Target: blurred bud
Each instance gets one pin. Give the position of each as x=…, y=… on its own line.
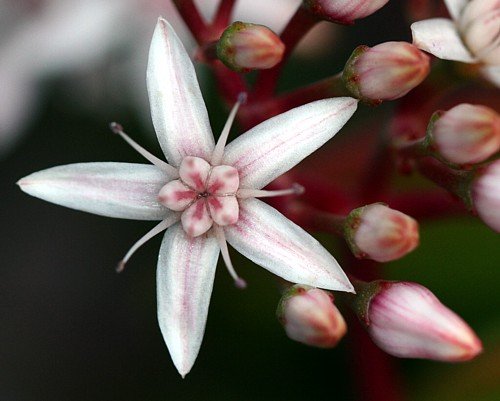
x=466, y=134
x=380, y=233
x=310, y=317
x=244, y=47
x=407, y=320
x=385, y=72
x=343, y=11
x=478, y=24
x=486, y=195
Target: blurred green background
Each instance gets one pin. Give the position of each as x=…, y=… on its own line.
x=72, y=329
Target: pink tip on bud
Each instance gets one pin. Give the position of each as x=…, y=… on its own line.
x=387, y=71
x=408, y=321
x=466, y=134
x=380, y=233
x=309, y=316
x=244, y=47
x=343, y=11
x=486, y=195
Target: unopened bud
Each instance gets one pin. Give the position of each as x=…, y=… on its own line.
x=486, y=194
x=310, y=317
x=408, y=321
x=343, y=11
x=380, y=233
x=385, y=72
x=466, y=134
x=244, y=47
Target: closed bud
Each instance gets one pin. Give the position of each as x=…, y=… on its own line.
x=466, y=134
x=244, y=47
x=408, y=321
x=343, y=11
x=486, y=194
x=385, y=72
x=309, y=316
x=380, y=233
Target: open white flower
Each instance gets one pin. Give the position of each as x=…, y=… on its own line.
x=472, y=36
x=206, y=195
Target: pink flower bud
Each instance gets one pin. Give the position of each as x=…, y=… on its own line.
x=467, y=134
x=244, y=47
x=385, y=72
x=343, y=11
x=380, y=233
x=310, y=317
x=408, y=321
x=486, y=195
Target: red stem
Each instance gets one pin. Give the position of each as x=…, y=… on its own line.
x=297, y=27
x=223, y=15
x=189, y=13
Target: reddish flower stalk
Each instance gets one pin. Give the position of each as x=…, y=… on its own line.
x=223, y=15
x=190, y=14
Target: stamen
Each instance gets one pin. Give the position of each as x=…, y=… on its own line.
x=221, y=238
x=244, y=193
x=163, y=225
x=118, y=129
x=221, y=143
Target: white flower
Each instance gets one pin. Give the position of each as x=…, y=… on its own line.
x=472, y=36
x=199, y=197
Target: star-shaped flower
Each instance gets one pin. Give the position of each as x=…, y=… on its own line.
x=206, y=195
x=472, y=36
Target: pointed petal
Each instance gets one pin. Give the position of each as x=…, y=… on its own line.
x=194, y=172
x=492, y=73
x=185, y=275
x=276, y=145
x=179, y=114
x=455, y=7
x=224, y=209
x=440, y=37
x=176, y=196
x=122, y=190
x=196, y=220
x=223, y=180
x=272, y=241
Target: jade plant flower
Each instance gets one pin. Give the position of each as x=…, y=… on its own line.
x=205, y=195
x=471, y=36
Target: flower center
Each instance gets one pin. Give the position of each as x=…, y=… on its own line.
x=204, y=193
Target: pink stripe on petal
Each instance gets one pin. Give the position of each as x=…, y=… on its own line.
x=176, y=196
x=272, y=241
x=223, y=180
x=196, y=220
x=223, y=209
x=185, y=275
x=194, y=173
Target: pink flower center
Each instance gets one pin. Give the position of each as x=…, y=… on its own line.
x=204, y=193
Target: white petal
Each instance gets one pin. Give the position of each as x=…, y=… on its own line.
x=440, y=37
x=455, y=7
x=492, y=74
x=276, y=145
x=177, y=107
x=123, y=190
x=272, y=241
x=185, y=275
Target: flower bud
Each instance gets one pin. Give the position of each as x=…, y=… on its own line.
x=244, y=47
x=343, y=11
x=466, y=134
x=310, y=317
x=380, y=233
x=385, y=72
x=407, y=320
x=486, y=195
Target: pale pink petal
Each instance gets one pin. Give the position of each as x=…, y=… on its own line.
x=122, y=190
x=176, y=196
x=223, y=180
x=194, y=173
x=185, y=275
x=492, y=74
x=455, y=7
x=223, y=209
x=440, y=37
x=179, y=114
x=272, y=241
x=196, y=220
x=276, y=145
